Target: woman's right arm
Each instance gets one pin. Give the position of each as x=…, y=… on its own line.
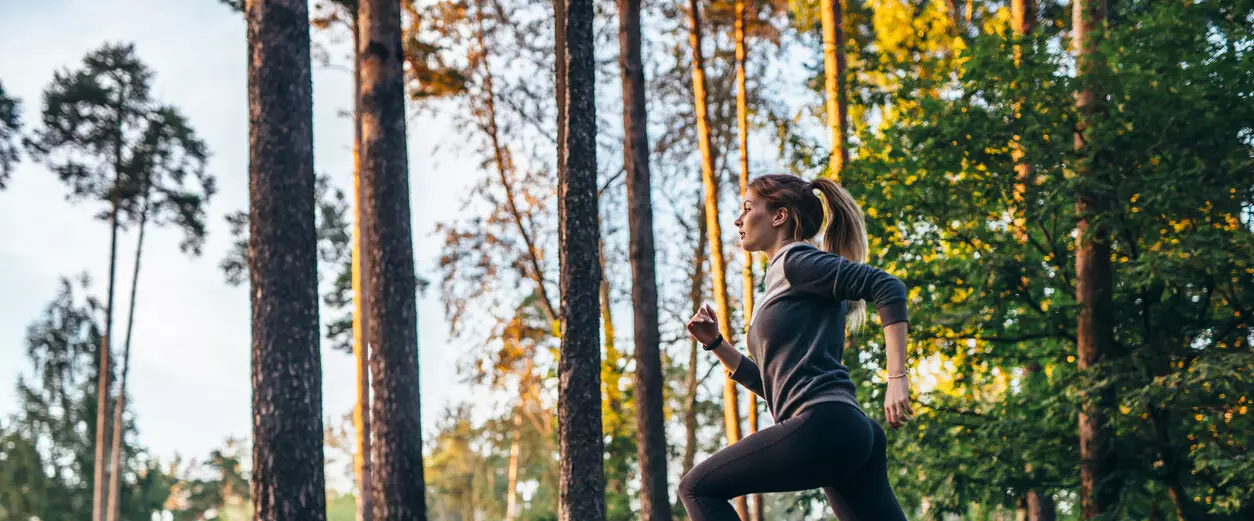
x=704, y=328
x=742, y=369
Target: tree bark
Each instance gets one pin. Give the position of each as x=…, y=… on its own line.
x=1094, y=286
x=582, y=490
x=287, y=473
x=397, y=465
x=835, y=71
x=559, y=87
x=100, y=478
x=731, y=406
x=694, y=295
x=650, y=424
x=361, y=321
x=119, y=404
x=742, y=130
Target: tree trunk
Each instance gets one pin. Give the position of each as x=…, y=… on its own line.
x=718, y=268
x=119, y=404
x=582, y=490
x=742, y=130
x=559, y=87
x=515, y=454
x=1039, y=504
x=694, y=295
x=650, y=424
x=361, y=321
x=100, y=471
x=1023, y=20
x=834, y=69
x=1023, y=16
x=287, y=473
x=397, y=467
x=1094, y=287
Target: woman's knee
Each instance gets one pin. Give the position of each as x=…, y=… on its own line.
x=694, y=484
x=688, y=484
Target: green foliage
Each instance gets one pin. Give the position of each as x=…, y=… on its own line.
x=988, y=252
x=90, y=120
x=10, y=125
x=110, y=142
x=48, y=444
x=218, y=485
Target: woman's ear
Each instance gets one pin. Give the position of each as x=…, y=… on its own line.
x=780, y=217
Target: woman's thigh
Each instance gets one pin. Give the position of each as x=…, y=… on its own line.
x=815, y=449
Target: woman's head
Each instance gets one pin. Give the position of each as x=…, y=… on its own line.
x=782, y=208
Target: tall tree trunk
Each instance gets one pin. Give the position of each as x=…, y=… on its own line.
x=515, y=454
x=1094, y=285
x=742, y=130
x=731, y=406
x=1023, y=20
x=361, y=320
x=650, y=425
x=691, y=382
x=287, y=473
x=834, y=69
x=559, y=87
x=100, y=471
x=119, y=404
x=397, y=467
x=582, y=490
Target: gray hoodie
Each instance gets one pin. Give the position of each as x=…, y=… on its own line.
x=797, y=335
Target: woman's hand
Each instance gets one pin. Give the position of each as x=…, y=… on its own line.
x=704, y=325
x=897, y=402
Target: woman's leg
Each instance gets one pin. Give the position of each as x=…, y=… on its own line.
x=797, y=454
x=866, y=495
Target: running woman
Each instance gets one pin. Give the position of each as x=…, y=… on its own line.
x=821, y=438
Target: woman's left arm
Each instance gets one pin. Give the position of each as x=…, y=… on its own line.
x=897, y=408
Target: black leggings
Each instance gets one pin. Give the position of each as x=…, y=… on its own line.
x=832, y=446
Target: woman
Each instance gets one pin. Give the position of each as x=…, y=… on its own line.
x=821, y=438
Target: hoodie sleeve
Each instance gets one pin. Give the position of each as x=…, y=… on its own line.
x=749, y=375
x=819, y=273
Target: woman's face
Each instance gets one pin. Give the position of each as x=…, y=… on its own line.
x=759, y=225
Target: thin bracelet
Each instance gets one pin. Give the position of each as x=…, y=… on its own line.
x=891, y=376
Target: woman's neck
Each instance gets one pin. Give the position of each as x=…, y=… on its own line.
x=774, y=249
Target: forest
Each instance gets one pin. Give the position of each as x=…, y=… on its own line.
x=1066, y=188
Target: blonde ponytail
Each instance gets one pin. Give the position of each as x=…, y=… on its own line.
x=845, y=235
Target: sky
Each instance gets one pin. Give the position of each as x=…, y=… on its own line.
x=190, y=375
